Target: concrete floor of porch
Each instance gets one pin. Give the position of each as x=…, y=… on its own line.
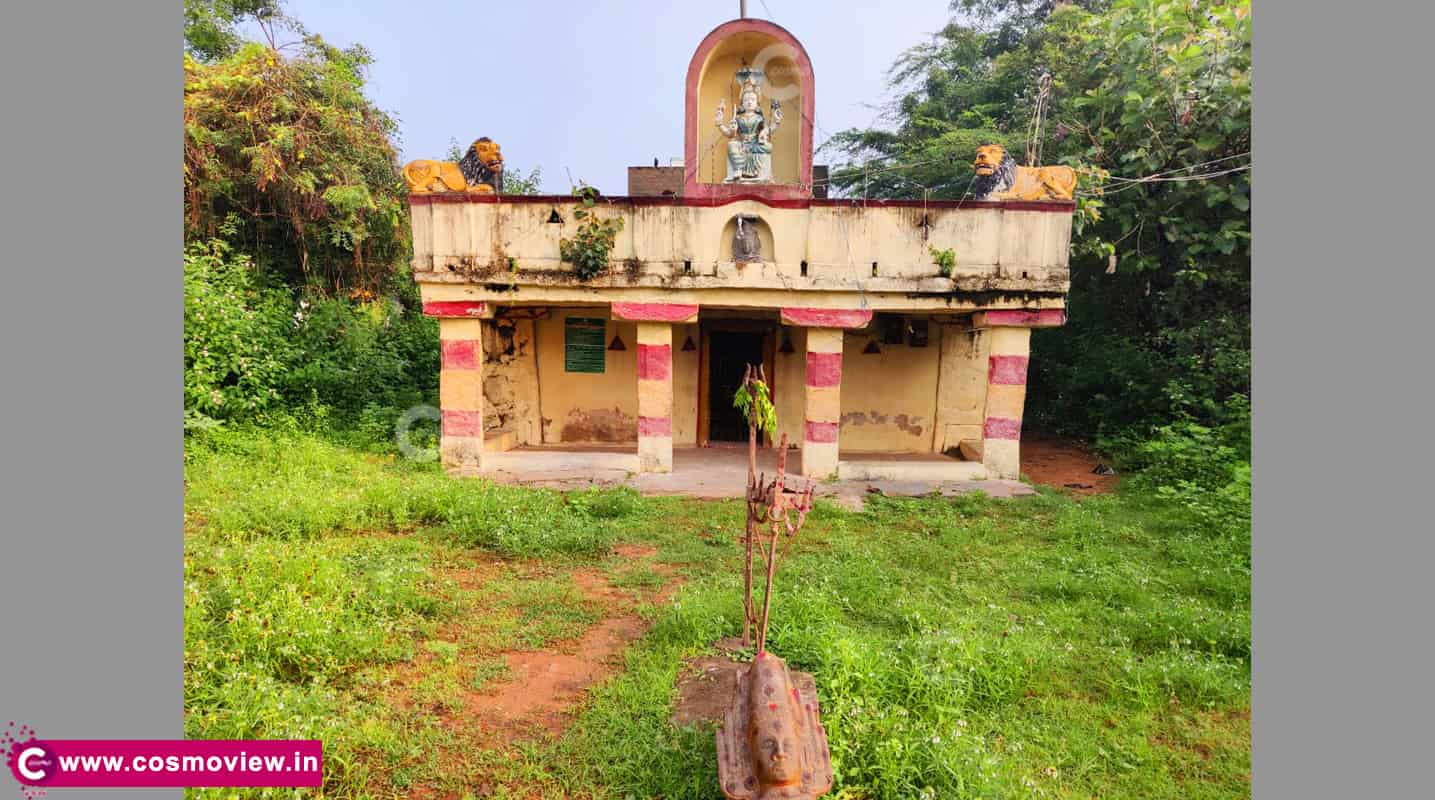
x=720, y=471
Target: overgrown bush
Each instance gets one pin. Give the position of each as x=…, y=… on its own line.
x=1203, y=473
x=288, y=140
x=235, y=350
x=352, y=354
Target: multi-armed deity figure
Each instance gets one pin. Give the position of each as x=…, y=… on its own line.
x=749, y=154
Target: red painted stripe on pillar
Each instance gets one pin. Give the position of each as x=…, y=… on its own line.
x=820, y=432
x=824, y=369
x=655, y=312
x=1002, y=428
x=459, y=353
x=1007, y=370
x=462, y=423
x=1045, y=318
x=655, y=426
x=826, y=317
x=455, y=308
x=655, y=362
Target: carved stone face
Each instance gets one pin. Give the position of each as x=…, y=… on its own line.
x=989, y=159
x=771, y=744
x=748, y=101
x=489, y=154
x=772, y=735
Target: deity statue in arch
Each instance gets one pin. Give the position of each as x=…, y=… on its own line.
x=749, y=153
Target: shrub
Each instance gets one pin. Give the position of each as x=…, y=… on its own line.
x=1203, y=472
x=235, y=349
x=351, y=354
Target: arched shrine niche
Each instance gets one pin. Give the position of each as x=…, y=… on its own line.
x=758, y=77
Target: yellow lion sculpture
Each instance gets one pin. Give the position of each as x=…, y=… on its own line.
x=999, y=177
x=480, y=171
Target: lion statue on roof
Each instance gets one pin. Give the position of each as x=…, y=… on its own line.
x=480, y=171
x=999, y=177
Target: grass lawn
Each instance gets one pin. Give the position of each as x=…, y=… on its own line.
x=968, y=647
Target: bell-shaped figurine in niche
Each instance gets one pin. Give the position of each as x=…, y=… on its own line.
x=746, y=244
x=772, y=745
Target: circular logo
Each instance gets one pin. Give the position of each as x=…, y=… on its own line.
x=34, y=763
x=779, y=63
x=405, y=441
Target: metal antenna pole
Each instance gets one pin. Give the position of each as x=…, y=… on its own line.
x=742, y=8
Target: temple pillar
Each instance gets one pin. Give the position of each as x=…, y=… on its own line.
x=822, y=406
x=655, y=397
x=1006, y=397
x=1009, y=352
x=822, y=400
x=460, y=389
x=655, y=377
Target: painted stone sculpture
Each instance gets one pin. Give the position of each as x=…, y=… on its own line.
x=771, y=744
x=480, y=171
x=749, y=153
x=999, y=177
x=746, y=244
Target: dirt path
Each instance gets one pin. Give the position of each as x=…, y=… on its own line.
x=539, y=689
x=543, y=685
x=1063, y=464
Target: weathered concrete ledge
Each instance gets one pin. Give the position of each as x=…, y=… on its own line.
x=805, y=246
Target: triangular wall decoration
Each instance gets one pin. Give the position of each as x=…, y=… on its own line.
x=871, y=348
x=688, y=345
x=617, y=343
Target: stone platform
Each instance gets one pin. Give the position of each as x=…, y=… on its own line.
x=720, y=472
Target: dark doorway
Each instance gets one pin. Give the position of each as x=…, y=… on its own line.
x=729, y=354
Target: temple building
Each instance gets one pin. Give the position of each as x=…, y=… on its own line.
x=894, y=333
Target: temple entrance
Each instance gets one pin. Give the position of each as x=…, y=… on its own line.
x=729, y=353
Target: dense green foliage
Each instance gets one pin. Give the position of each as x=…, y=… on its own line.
x=962, y=648
x=210, y=26
x=289, y=145
x=253, y=349
x=296, y=229
x=1159, y=328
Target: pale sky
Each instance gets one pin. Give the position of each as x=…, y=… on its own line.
x=594, y=87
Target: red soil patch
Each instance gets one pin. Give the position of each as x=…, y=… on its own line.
x=543, y=685
x=1064, y=464
x=635, y=550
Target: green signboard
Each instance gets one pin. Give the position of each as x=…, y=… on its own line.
x=584, y=349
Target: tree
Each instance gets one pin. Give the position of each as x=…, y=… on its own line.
x=210, y=25
x=291, y=145
x=1150, y=102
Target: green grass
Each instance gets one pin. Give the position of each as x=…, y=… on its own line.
x=962, y=647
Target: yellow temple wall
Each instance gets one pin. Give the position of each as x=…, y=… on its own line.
x=888, y=398
x=602, y=408
x=902, y=400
